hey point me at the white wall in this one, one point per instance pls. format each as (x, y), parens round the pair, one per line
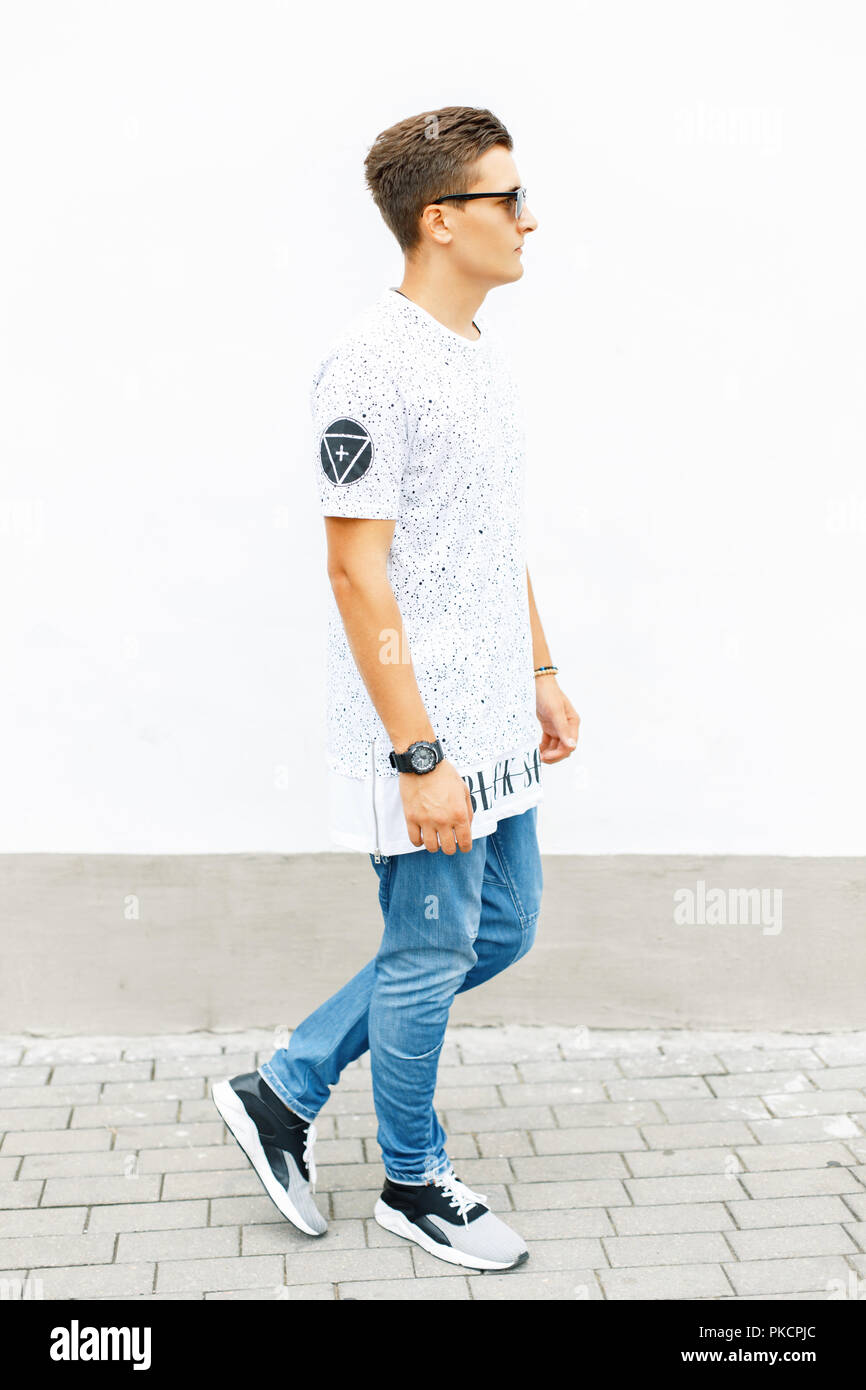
(186, 225)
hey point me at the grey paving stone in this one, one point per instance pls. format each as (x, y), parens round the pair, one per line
(843, 1049)
(318, 1265)
(354, 1126)
(56, 1141)
(502, 1143)
(95, 1281)
(139, 1115)
(712, 1134)
(512, 1117)
(70, 1073)
(11, 1053)
(560, 1167)
(57, 1051)
(135, 1092)
(636, 1112)
(43, 1221)
(337, 1177)
(102, 1163)
(542, 1196)
(698, 1187)
(666, 1282)
(840, 1078)
(179, 1187)
(513, 1043)
(683, 1064)
(787, 1211)
(449, 1288)
(674, 1218)
(184, 1244)
(634, 1088)
(215, 1156)
(759, 1083)
(669, 1249)
(813, 1103)
(44, 1250)
(573, 1070)
(280, 1237)
(808, 1127)
(24, 1076)
(20, 1194)
(75, 1192)
(785, 1242)
(664, 1163)
(470, 1097)
(246, 1211)
(42, 1117)
(14, 1097)
(753, 1060)
(719, 1109)
(170, 1136)
(252, 1271)
(548, 1093)
(766, 1157)
(563, 1224)
(172, 1045)
(765, 1276)
(857, 1231)
(576, 1140)
(521, 1284)
(9, 1166)
(296, 1293)
(196, 1111)
(148, 1216)
(209, 1068)
(800, 1182)
(857, 1203)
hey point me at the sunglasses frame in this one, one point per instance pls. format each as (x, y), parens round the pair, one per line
(518, 194)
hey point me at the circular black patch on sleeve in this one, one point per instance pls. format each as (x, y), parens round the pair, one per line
(346, 451)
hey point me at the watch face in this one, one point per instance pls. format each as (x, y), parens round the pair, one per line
(423, 759)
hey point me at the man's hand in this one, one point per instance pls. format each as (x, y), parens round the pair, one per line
(437, 803)
(559, 720)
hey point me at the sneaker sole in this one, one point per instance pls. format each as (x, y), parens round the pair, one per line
(400, 1225)
(247, 1138)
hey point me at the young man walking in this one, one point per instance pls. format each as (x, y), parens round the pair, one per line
(439, 677)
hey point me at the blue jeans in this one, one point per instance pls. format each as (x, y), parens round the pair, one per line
(451, 922)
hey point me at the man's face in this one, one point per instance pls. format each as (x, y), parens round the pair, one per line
(484, 237)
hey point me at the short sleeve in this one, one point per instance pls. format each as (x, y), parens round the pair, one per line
(360, 435)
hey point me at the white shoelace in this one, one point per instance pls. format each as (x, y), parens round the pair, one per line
(308, 1155)
(462, 1198)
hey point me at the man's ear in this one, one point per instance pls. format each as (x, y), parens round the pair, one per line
(434, 223)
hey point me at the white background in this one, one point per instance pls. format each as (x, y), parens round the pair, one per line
(185, 228)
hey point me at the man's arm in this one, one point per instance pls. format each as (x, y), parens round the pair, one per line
(437, 802)
(559, 719)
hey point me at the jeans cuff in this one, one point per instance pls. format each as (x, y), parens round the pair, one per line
(275, 1084)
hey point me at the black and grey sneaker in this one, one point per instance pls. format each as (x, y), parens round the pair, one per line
(278, 1143)
(448, 1219)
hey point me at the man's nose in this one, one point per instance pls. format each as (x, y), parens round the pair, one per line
(528, 222)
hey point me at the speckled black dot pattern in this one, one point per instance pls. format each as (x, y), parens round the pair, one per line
(441, 418)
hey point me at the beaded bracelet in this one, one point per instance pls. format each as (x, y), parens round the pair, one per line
(545, 670)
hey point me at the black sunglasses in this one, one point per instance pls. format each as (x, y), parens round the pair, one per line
(518, 194)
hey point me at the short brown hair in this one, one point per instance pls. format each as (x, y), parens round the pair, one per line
(425, 156)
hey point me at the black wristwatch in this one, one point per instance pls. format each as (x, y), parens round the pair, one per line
(419, 757)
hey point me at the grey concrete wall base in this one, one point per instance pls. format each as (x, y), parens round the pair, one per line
(151, 943)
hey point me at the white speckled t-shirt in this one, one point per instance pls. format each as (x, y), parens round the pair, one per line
(415, 423)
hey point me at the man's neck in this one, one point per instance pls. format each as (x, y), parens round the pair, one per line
(453, 302)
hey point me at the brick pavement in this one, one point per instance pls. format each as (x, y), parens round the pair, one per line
(639, 1164)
